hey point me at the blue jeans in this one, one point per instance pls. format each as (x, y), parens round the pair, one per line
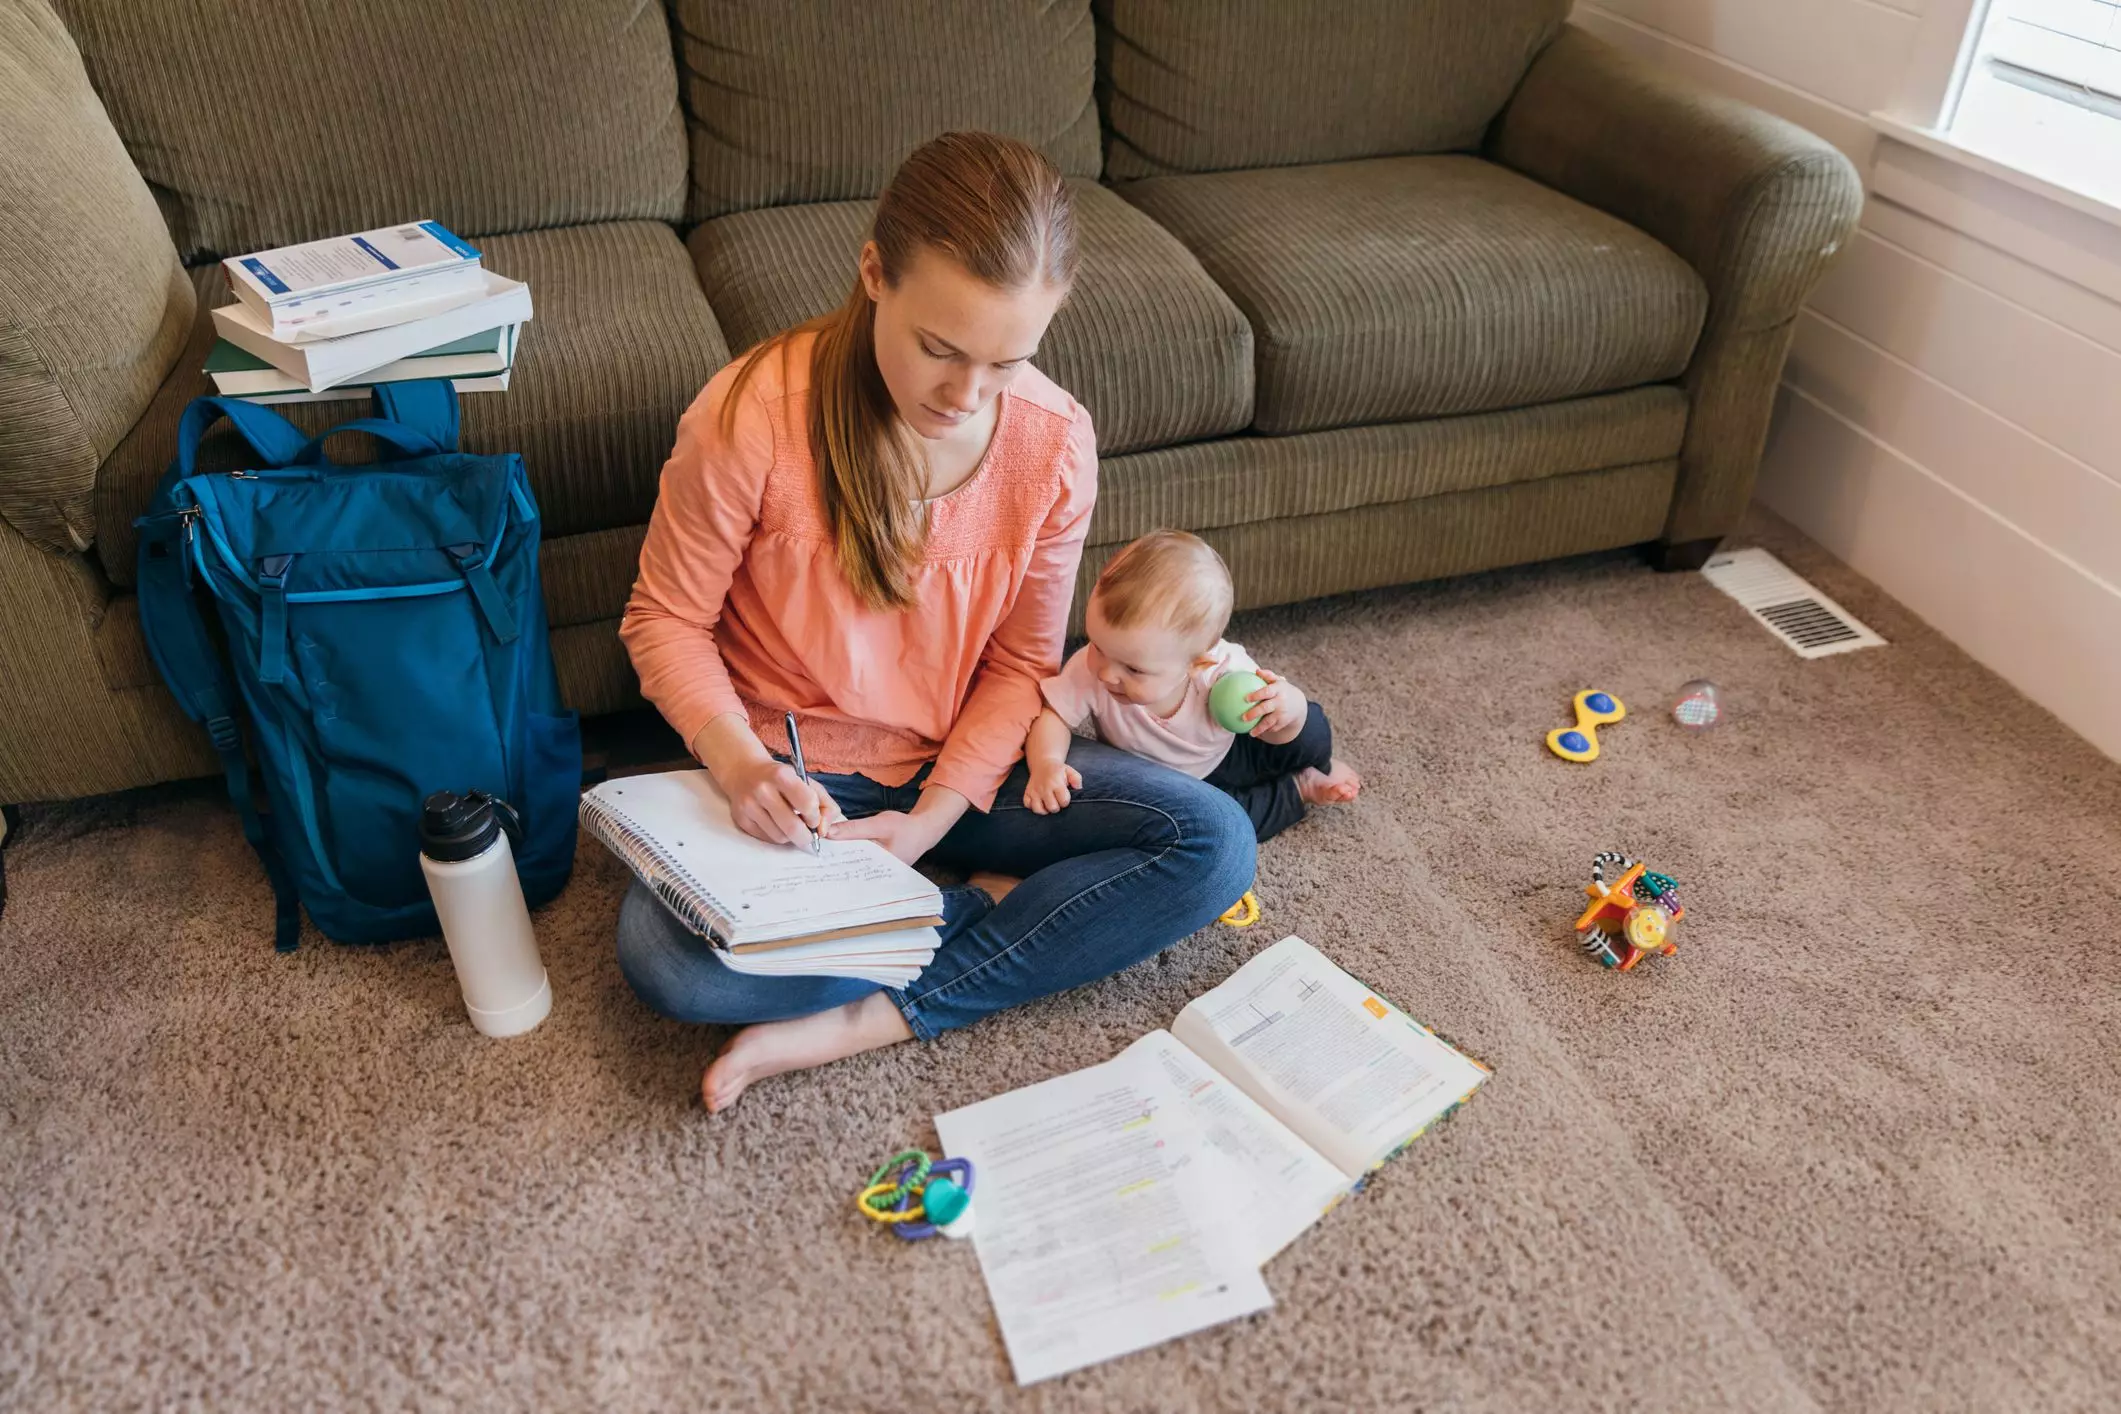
(1142, 857)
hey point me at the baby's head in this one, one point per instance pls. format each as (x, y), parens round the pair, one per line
(1158, 608)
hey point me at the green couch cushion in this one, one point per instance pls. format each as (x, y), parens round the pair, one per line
(621, 343)
(1146, 341)
(1189, 86)
(93, 306)
(263, 124)
(1406, 287)
(1245, 480)
(822, 101)
(1461, 532)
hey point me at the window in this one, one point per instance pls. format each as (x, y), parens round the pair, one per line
(2042, 92)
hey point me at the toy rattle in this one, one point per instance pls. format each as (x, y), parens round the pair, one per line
(1579, 743)
(919, 1196)
(1699, 706)
(1636, 912)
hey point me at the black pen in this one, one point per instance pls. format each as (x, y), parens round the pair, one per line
(795, 749)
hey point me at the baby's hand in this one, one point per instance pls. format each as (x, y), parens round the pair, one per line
(1049, 787)
(1279, 708)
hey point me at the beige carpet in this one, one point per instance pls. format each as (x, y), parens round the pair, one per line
(1854, 1148)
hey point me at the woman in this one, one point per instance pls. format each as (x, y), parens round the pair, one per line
(874, 520)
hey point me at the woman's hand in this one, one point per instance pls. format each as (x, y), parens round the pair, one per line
(909, 835)
(905, 835)
(1279, 710)
(769, 801)
(1049, 787)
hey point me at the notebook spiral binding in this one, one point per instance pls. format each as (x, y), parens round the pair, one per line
(682, 894)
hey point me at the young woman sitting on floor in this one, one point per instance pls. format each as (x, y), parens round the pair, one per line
(874, 520)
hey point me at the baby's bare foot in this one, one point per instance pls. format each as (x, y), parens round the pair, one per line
(773, 1047)
(1336, 785)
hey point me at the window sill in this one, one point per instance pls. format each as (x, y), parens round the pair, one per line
(1993, 157)
(2067, 232)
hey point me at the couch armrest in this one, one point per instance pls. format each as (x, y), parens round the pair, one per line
(1756, 205)
(93, 305)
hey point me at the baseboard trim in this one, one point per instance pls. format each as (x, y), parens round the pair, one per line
(2029, 614)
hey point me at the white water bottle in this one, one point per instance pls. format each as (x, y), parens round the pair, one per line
(471, 873)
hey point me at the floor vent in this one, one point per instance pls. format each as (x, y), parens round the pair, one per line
(1809, 622)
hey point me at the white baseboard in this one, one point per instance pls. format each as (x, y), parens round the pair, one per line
(2050, 629)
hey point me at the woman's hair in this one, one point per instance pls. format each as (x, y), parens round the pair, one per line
(999, 209)
(1170, 579)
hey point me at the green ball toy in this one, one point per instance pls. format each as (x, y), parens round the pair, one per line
(1226, 700)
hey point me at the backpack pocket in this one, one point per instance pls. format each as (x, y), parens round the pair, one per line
(398, 706)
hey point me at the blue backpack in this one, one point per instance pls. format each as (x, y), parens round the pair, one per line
(386, 633)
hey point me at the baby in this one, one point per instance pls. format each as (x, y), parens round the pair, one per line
(1156, 619)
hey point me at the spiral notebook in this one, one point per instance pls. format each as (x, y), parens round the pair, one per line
(851, 909)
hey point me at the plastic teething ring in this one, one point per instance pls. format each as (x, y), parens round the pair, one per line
(912, 1164)
(865, 1202)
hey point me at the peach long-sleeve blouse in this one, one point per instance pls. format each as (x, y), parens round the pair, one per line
(740, 605)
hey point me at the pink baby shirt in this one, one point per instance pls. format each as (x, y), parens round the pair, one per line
(1188, 740)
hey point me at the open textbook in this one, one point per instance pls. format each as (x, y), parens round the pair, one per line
(849, 910)
(1135, 1201)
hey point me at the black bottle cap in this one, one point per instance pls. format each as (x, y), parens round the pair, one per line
(456, 826)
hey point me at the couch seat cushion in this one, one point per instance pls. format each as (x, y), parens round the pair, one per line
(1147, 342)
(1406, 287)
(620, 344)
(1250, 480)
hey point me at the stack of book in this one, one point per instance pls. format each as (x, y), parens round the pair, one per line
(844, 908)
(330, 319)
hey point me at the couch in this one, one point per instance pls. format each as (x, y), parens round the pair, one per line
(1371, 290)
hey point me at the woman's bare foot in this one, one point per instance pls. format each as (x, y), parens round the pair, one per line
(995, 886)
(772, 1047)
(1337, 785)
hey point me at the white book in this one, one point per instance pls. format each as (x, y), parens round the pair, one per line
(350, 392)
(914, 947)
(325, 363)
(1135, 1201)
(891, 959)
(378, 306)
(749, 896)
(296, 281)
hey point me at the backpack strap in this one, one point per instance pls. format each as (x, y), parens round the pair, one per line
(271, 436)
(191, 665)
(426, 405)
(176, 632)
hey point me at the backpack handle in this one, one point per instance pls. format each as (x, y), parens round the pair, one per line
(271, 436)
(426, 405)
(409, 441)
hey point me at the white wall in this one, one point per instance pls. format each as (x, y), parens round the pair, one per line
(1950, 423)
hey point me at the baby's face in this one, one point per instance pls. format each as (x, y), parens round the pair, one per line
(1142, 663)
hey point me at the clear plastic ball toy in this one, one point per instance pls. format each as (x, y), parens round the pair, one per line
(1698, 706)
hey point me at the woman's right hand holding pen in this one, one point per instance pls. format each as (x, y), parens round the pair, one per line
(767, 799)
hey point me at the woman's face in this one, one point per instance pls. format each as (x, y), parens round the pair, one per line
(947, 342)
